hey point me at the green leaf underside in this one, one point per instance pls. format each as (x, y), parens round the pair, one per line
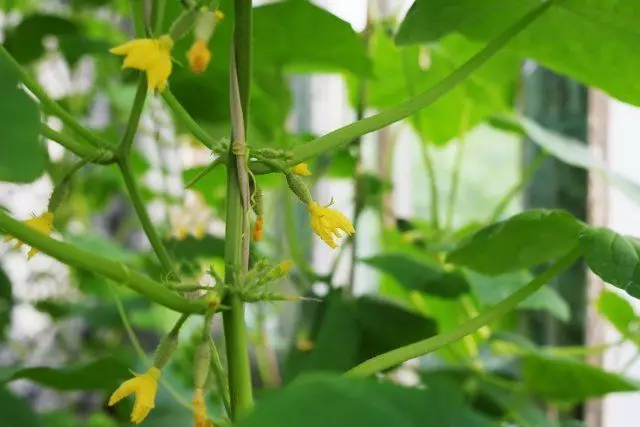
(420, 276)
(101, 374)
(564, 379)
(520, 242)
(492, 290)
(613, 257)
(356, 403)
(617, 310)
(588, 28)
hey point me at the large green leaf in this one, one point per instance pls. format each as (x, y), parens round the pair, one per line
(301, 34)
(288, 35)
(492, 290)
(386, 326)
(585, 39)
(24, 42)
(6, 302)
(16, 411)
(398, 73)
(617, 310)
(22, 155)
(613, 257)
(320, 401)
(101, 374)
(563, 379)
(520, 242)
(418, 275)
(335, 337)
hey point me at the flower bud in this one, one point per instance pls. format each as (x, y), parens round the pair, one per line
(165, 350)
(299, 188)
(202, 364)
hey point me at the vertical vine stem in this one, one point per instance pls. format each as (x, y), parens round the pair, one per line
(237, 227)
(457, 166)
(426, 155)
(503, 204)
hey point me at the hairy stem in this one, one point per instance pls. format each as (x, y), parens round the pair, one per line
(101, 156)
(181, 114)
(420, 348)
(237, 236)
(134, 118)
(344, 135)
(147, 225)
(116, 271)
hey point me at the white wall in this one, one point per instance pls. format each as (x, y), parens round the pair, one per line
(623, 145)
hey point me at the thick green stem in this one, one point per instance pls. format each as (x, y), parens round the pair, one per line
(240, 387)
(147, 225)
(134, 118)
(158, 16)
(52, 107)
(116, 271)
(182, 115)
(420, 348)
(98, 155)
(344, 135)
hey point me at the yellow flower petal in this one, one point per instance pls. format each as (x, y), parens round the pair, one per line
(199, 409)
(199, 56)
(301, 169)
(145, 387)
(42, 223)
(150, 55)
(258, 229)
(327, 223)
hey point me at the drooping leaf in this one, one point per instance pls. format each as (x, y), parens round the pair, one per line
(564, 379)
(420, 276)
(492, 290)
(588, 29)
(22, 155)
(74, 47)
(16, 411)
(335, 345)
(387, 326)
(520, 242)
(359, 403)
(303, 35)
(25, 42)
(101, 374)
(613, 257)
(617, 310)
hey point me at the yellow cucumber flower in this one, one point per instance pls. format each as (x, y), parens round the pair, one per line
(145, 387)
(42, 223)
(150, 55)
(258, 229)
(301, 169)
(200, 410)
(199, 56)
(327, 222)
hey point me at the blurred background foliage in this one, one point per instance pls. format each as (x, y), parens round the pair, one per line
(61, 374)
